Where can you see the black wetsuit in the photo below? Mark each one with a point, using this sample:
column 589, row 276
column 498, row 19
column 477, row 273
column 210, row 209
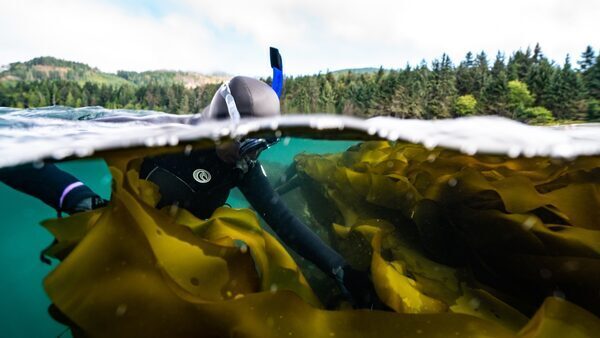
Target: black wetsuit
column 199, row 182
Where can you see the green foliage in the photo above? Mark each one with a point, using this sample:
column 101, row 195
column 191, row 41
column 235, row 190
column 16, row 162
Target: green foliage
column 494, row 96
column 593, row 110
column 536, row 115
column 592, row 79
column 519, row 97
column 466, row 76
column 465, row 105
column 587, row 59
column 519, row 65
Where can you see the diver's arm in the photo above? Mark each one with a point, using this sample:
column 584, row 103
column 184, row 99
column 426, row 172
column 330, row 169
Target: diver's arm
column 258, row 191
column 58, row 189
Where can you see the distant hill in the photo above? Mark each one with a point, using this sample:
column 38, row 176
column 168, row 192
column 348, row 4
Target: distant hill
column 50, row 68
column 366, row 70
column 189, row 79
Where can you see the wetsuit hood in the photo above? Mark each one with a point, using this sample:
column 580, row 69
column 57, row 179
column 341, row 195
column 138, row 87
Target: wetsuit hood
column 252, row 98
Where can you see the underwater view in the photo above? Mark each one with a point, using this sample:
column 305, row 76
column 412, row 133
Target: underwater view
column 475, row 227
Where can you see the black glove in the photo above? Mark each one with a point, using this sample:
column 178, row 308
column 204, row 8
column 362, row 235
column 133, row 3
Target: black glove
column 87, row 204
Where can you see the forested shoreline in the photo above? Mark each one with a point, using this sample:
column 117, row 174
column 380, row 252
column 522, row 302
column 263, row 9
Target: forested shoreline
column 526, row 86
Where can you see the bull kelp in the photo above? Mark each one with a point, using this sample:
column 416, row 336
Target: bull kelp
column 469, row 246
column 493, row 237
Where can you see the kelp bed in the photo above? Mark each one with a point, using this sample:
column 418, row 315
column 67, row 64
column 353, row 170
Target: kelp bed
column 456, row 245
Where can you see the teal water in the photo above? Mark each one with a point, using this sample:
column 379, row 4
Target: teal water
column 23, row 304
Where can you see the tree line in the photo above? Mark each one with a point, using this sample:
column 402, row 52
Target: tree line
column 173, row 98
column 526, row 86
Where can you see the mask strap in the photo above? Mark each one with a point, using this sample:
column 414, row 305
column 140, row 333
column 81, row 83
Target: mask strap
column 234, row 114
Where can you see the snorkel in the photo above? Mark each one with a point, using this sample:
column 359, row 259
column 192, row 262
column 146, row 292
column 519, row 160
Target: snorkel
column 277, row 66
column 250, row 148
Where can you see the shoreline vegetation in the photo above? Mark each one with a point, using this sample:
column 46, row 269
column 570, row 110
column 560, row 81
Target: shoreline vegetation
column 525, row 86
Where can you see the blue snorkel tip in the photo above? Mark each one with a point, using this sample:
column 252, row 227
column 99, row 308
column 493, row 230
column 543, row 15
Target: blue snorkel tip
column 277, row 66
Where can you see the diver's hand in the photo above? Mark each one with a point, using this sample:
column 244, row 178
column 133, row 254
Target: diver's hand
column 358, row 288
column 87, row 204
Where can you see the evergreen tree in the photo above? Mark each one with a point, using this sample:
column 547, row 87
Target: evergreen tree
column 482, row 72
column 539, row 81
column 587, row 59
column 70, row 100
column 184, row 105
column 565, row 93
column 494, row 94
column 326, row 96
column 592, row 79
column 466, row 76
column 442, row 89
column 538, row 56
column 519, row 64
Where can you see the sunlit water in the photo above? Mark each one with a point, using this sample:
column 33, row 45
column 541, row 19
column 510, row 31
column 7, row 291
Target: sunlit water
column 57, row 133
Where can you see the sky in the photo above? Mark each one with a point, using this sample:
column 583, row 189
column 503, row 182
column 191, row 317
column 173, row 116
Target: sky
column 313, row 36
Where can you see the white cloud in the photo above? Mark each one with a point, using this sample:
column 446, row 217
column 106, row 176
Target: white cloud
column 313, row 34
column 102, row 35
column 323, row 34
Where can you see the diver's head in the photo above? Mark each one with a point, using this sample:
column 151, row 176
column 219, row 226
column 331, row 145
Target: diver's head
column 243, row 97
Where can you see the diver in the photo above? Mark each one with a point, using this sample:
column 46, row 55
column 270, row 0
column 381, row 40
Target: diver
column 200, row 181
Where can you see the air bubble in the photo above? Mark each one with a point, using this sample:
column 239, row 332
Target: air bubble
column 529, row 152
column 430, row 143
column 469, row 149
column 149, row 142
column 187, row 150
column 62, row 153
column 173, row 140
column 452, row 182
column 474, row 303
column 529, row 223
column 273, row 288
column 121, row 309
column 278, row 133
column 514, row 151
column 161, row 141
column 84, row 151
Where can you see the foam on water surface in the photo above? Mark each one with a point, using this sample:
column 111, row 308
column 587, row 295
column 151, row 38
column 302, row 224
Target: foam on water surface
column 29, row 135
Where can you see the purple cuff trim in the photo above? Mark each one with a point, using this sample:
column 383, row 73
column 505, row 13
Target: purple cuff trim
column 67, row 190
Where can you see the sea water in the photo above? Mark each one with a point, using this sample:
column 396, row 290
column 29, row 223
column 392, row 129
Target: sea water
column 23, row 305
column 57, row 133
